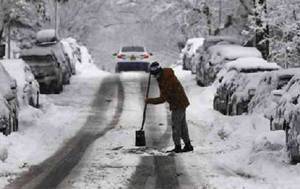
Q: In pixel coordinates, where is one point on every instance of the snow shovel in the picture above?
(140, 139)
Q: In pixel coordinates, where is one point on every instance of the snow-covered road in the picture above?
(230, 152)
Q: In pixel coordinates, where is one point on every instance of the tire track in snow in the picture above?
(52, 171)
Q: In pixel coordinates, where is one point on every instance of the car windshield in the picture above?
(133, 49)
(38, 60)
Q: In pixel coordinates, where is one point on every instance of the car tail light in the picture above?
(121, 56)
(145, 56)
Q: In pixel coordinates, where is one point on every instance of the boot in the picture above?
(187, 147)
(177, 149)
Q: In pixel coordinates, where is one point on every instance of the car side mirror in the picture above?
(277, 93)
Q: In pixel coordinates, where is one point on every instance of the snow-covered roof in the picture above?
(251, 63)
(232, 52)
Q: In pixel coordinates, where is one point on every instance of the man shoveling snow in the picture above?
(172, 91)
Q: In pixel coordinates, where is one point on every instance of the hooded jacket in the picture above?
(171, 91)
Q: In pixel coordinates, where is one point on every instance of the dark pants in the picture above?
(179, 127)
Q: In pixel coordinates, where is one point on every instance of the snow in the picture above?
(43, 131)
(249, 63)
(192, 45)
(262, 101)
(234, 152)
(231, 52)
(16, 68)
(46, 36)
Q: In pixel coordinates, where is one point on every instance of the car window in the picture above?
(37, 59)
(133, 49)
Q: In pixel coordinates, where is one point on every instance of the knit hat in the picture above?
(155, 68)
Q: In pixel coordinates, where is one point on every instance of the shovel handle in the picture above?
(145, 106)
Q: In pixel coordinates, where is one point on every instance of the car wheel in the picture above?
(184, 67)
(215, 103)
(292, 145)
(31, 102)
(15, 123)
(7, 130)
(37, 104)
(56, 86)
(229, 109)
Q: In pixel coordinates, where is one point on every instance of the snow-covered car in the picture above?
(201, 52)
(8, 102)
(45, 68)
(188, 53)
(262, 101)
(238, 82)
(71, 53)
(46, 39)
(76, 48)
(217, 56)
(287, 116)
(28, 87)
(132, 58)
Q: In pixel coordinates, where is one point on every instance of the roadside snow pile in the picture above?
(45, 130)
(236, 151)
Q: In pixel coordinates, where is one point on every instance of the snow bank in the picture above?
(234, 152)
(43, 131)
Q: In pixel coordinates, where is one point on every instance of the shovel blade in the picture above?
(140, 139)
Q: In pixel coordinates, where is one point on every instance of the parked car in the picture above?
(132, 58)
(237, 84)
(45, 67)
(46, 39)
(70, 54)
(28, 87)
(202, 52)
(8, 103)
(218, 56)
(189, 51)
(76, 49)
(287, 116)
(262, 101)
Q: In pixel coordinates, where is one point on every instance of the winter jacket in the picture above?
(171, 91)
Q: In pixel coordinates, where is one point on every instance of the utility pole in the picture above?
(56, 18)
(8, 41)
(220, 12)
